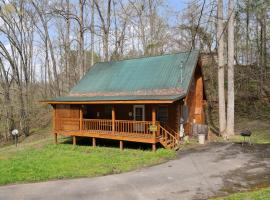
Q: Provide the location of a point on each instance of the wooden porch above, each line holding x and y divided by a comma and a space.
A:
72, 122
122, 130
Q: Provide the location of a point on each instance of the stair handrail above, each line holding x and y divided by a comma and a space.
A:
167, 135
165, 126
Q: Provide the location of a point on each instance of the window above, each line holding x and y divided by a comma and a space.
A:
163, 114
139, 112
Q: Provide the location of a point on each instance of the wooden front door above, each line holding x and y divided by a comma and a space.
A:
139, 115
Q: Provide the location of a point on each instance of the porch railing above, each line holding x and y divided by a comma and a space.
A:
106, 126
127, 126
97, 125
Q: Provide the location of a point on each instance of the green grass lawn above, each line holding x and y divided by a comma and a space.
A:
260, 131
262, 194
41, 161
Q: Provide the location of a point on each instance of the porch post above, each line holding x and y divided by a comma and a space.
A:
74, 140
54, 118
94, 142
153, 124
154, 147
81, 118
121, 145
54, 124
154, 117
55, 138
113, 119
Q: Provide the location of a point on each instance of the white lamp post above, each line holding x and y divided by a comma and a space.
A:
15, 133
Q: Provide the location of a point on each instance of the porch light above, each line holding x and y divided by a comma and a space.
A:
97, 114
15, 133
130, 114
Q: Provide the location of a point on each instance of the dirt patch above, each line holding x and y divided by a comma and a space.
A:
199, 148
255, 174
250, 167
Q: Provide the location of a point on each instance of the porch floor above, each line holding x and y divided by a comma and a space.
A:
133, 137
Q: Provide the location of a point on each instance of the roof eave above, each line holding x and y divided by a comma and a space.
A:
111, 102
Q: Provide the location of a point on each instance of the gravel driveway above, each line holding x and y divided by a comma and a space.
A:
215, 169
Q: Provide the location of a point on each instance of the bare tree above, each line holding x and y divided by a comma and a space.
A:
105, 18
221, 91
5, 82
81, 39
17, 30
44, 22
230, 105
140, 13
92, 31
67, 45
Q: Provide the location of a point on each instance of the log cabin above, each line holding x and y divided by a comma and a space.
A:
138, 100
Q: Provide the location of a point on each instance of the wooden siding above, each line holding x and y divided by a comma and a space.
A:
122, 112
195, 101
67, 117
70, 112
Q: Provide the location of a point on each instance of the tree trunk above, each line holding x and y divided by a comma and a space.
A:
230, 106
9, 125
92, 31
67, 48
105, 26
247, 33
24, 120
221, 92
263, 42
52, 54
106, 45
8, 108
151, 25
81, 40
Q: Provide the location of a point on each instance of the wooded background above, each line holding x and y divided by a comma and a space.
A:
46, 46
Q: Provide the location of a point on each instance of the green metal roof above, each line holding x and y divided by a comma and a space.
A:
156, 77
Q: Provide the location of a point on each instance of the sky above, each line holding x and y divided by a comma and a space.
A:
177, 4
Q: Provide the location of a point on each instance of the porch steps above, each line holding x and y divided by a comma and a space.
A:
168, 140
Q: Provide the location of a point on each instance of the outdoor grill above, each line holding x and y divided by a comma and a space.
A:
246, 133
